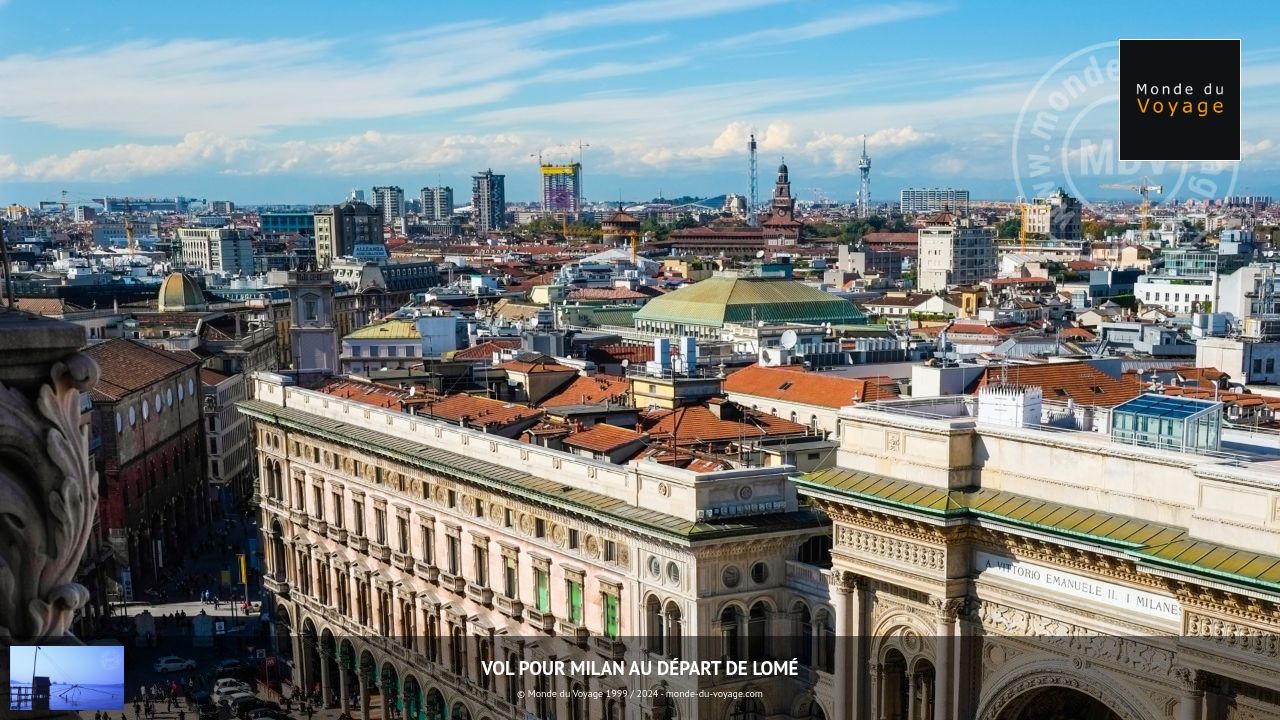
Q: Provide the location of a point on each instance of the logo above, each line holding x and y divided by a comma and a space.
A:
1180, 100
1067, 136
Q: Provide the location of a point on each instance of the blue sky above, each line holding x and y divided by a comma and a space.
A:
76, 664
301, 101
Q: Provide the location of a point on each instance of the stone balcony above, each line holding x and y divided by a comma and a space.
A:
609, 648
430, 573
545, 622
510, 607
336, 533
480, 594
576, 633
455, 584
379, 551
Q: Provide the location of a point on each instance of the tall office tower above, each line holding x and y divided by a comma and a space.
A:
1055, 218
562, 188
954, 251
489, 201
389, 199
437, 202
340, 229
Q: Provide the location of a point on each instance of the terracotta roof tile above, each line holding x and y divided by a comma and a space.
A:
486, 349
808, 388
595, 390
543, 364
604, 438
478, 412
129, 366
1078, 381
365, 392
698, 425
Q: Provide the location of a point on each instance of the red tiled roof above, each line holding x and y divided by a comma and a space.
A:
486, 349
1075, 333
583, 390
604, 438
1060, 382
697, 425
128, 366
808, 388
211, 377
617, 353
477, 411
368, 393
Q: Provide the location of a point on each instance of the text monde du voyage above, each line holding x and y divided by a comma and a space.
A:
668, 668
1180, 99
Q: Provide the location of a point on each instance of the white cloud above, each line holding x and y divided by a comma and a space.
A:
858, 19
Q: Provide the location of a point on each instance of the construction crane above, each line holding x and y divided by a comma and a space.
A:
1022, 227
1144, 211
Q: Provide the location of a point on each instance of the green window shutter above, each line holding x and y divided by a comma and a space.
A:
611, 615
575, 603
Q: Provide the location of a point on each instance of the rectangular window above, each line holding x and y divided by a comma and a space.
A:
428, 545
573, 539
337, 509
507, 519
542, 579
610, 551
402, 532
455, 555
611, 615
1271, 365
357, 517
479, 508
480, 565
511, 577
380, 525
453, 499
318, 495
574, 590
539, 528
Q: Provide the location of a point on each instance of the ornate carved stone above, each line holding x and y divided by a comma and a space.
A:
48, 484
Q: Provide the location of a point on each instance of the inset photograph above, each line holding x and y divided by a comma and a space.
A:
66, 677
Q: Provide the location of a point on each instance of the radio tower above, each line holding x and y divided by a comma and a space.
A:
754, 201
864, 189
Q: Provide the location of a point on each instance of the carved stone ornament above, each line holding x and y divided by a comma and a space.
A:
48, 484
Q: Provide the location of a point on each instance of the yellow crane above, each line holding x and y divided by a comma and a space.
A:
128, 228
1144, 211
1022, 227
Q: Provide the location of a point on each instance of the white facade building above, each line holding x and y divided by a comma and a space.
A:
217, 249
956, 251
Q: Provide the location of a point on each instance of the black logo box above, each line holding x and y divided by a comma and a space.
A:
1187, 68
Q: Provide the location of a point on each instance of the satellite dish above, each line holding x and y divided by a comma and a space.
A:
789, 339
626, 363
759, 253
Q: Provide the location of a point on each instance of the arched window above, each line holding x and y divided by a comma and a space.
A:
577, 707
515, 681
757, 632
664, 708
731, 633
655, 622
675, 630
794, 417
826, 636
802, 633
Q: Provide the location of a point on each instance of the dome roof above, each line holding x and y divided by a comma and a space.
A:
729, 298
180, 293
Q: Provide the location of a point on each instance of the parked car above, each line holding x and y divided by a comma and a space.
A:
241, 708
228, 682
173, 663
233, 668
230, 695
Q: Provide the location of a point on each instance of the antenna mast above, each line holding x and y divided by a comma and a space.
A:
864, 188
754, 201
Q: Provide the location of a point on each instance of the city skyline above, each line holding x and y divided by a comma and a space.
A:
278, 107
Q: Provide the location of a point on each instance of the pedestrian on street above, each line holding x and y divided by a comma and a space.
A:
311, 710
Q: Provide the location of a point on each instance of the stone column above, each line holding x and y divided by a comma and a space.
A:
841, 589
42, 375
1191, 704
913, 696
324, 673
877, 690
364, 694
946, 609
344, 692
299, 657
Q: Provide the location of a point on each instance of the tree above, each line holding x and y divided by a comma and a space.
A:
1009, 228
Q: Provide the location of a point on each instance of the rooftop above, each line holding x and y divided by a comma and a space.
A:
730, 298
128, 366
808, 388
390, 329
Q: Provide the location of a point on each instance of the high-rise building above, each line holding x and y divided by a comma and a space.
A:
562, 188
437, 202
955, 250
340, 229
313, 334
220, 249
489, 201
389, 200
1055, 218
222, 207
923, 200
